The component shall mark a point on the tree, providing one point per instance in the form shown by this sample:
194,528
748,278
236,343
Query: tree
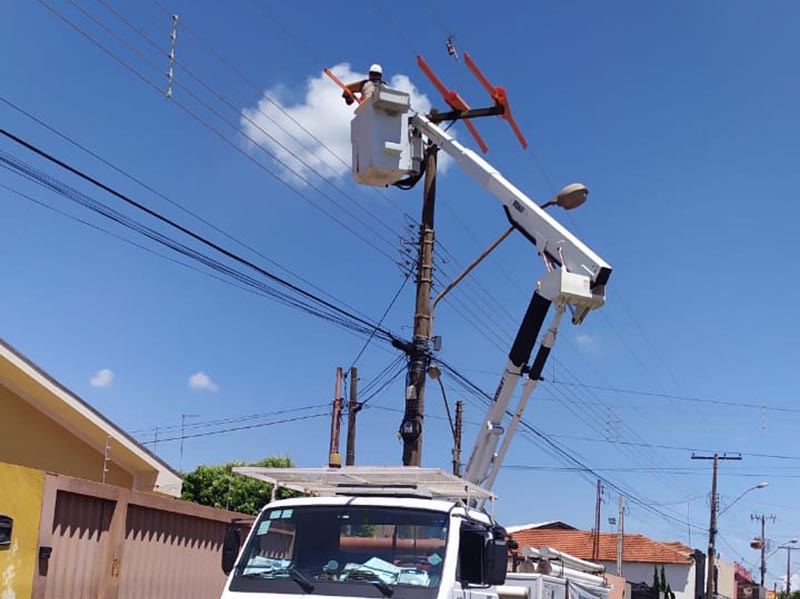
660,584
219,487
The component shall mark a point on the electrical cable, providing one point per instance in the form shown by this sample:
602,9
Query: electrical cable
345,318
172,202
217,132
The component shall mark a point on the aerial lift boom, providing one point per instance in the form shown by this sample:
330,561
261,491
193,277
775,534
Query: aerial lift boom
576,278
387,148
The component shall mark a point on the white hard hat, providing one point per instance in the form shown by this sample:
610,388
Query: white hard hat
376,68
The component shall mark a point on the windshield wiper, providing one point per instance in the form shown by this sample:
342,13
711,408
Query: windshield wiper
372,578
301,580
270,572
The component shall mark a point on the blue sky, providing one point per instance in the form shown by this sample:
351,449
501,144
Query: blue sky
680,117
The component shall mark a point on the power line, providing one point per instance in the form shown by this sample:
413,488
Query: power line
230,420
172,202
344,316
685,398
241,428
236,147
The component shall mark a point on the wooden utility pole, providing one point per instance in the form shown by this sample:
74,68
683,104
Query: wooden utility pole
712,528
411,427
334,457
457,438
596,539
352,410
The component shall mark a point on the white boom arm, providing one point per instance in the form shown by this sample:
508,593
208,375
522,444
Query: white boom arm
576,277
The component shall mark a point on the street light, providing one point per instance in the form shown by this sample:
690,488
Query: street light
760,485
712,529
571,196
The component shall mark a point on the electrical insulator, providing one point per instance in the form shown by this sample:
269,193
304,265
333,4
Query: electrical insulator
451,48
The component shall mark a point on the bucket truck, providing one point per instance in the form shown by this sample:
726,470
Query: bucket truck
411,532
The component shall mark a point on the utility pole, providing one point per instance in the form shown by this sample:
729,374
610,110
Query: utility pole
712,528
596,539
620,533
788,571
352,409
763,520
334,457
411,427
457,438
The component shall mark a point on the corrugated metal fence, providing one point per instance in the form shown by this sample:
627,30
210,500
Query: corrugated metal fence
98,541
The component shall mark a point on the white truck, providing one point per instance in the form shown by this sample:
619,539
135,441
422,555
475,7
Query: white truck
418,533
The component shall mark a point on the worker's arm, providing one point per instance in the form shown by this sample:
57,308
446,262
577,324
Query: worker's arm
352,88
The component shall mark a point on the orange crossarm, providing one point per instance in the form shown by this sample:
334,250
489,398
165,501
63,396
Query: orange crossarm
453,100
338,82
499,96
478,75
434,79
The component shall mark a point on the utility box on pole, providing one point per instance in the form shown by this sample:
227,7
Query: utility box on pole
382,151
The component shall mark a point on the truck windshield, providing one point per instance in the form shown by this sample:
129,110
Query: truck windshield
344,550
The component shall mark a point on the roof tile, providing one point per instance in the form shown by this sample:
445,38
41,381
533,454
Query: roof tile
636,547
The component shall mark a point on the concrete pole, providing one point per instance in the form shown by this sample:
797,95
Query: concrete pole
457,438
712,533
620,533
352,410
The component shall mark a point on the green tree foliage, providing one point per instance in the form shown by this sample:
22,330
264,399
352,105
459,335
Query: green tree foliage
219,487
660,583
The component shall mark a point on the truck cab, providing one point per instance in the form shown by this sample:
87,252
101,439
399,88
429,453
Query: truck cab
363,542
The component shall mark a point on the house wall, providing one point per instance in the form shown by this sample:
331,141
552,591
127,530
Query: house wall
725,578
679,576
32,439
20,498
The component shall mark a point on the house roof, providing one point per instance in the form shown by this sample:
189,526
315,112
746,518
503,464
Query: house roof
546,524
58,403
635,548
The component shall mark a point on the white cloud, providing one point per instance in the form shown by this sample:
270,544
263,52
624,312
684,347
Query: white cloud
102,378
587,342
200,381
323,113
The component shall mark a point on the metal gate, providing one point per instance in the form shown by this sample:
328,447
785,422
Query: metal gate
103,542
80,538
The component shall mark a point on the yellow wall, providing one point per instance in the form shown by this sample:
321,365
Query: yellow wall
30,438
20,498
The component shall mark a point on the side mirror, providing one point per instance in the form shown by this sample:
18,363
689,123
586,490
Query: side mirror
230,548
495,557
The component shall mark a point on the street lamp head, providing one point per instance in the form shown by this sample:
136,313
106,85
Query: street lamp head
571,196
762,484
793,541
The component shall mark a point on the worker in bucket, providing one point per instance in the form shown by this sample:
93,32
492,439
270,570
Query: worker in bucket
365,87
